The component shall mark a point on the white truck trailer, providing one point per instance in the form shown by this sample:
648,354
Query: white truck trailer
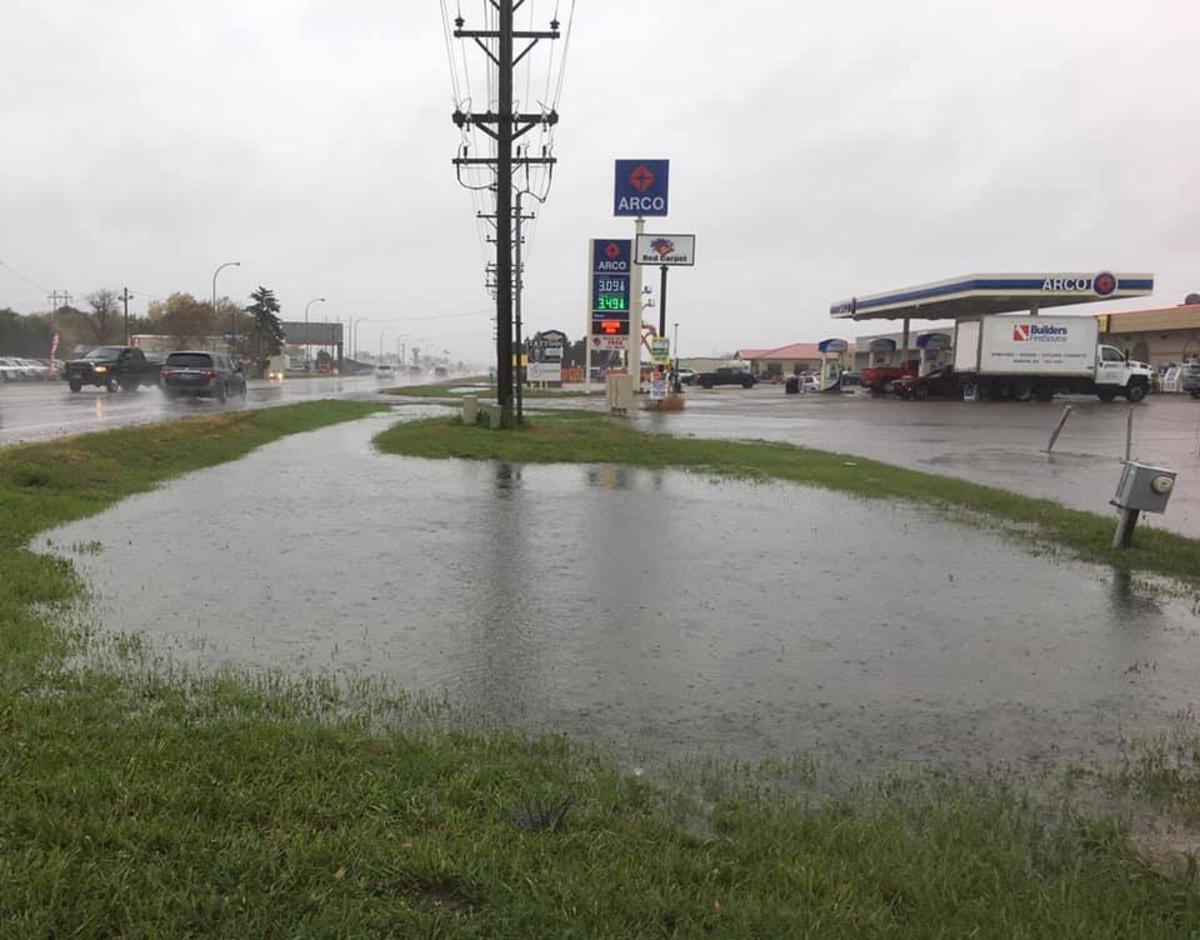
1035,357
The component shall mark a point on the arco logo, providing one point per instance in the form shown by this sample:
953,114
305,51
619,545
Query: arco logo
642,178
1104,283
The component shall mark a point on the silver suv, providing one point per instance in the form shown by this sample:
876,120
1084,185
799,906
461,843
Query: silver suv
1189,378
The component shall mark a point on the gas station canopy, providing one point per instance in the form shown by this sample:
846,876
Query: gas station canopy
975,294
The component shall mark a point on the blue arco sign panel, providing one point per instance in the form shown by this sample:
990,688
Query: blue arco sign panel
641,188
611,262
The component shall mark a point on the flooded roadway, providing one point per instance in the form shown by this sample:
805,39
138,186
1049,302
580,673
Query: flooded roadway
668,613
41,410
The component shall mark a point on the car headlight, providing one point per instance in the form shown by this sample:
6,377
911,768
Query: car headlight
100,368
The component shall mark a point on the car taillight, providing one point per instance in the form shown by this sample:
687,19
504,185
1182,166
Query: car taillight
209,374
168,371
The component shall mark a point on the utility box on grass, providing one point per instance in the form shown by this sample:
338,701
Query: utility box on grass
1144,488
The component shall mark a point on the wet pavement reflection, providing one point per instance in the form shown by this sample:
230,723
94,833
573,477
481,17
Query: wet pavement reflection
668,613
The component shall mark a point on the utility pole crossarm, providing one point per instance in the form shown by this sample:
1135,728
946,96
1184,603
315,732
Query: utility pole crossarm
492,161
496,34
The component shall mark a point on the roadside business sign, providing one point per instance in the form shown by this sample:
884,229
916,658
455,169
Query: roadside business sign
660,351
610,342
544,371
641,188
610,291
673,250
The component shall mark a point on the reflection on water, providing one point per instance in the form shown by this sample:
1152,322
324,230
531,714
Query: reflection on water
665,611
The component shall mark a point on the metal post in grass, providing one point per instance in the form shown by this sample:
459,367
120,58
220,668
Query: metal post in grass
1058,429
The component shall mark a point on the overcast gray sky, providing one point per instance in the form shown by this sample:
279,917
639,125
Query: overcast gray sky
818,150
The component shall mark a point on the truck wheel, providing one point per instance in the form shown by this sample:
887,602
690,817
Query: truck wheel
1135,393
111,386
1106,394
1042,393
74,384
747,384
1022,391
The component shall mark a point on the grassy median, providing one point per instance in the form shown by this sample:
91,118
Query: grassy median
143,800
588,437
455,391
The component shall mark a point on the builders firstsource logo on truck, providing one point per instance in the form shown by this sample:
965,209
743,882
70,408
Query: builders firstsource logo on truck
1039,333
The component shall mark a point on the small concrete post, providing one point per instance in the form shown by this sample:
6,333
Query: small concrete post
470,410
1058,429
1128,433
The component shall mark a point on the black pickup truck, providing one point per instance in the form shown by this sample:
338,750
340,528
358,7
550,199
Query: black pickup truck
724,376
113,367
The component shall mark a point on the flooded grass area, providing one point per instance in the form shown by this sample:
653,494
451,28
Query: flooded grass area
216,742
667,613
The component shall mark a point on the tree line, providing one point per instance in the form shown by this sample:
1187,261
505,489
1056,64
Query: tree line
255,330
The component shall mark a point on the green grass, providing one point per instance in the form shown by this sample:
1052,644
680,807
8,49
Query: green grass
579,436
138,799
457,389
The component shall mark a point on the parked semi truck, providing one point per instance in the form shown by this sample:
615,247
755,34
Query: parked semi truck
1031,357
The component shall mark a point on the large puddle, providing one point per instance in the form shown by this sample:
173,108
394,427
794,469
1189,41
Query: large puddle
665,612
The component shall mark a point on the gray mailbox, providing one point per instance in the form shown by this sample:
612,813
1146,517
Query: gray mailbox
1144,488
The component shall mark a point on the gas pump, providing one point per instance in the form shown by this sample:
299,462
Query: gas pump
832,352
881,353
934,350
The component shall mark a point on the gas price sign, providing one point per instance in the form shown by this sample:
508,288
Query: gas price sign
611,258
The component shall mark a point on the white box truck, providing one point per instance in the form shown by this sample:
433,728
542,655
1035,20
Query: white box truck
1035,357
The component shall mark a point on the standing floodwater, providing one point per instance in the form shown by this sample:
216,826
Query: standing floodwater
664,611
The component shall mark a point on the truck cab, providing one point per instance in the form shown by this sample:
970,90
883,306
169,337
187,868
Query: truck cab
1117,374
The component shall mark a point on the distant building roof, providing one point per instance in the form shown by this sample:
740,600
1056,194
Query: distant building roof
750,353
1183,316
792,351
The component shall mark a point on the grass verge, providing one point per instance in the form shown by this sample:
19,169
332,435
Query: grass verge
456,390
144,804
587,437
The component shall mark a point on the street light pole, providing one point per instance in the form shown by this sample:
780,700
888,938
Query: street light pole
235,264
315,300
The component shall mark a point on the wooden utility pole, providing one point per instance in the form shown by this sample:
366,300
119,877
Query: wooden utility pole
503,126
125,295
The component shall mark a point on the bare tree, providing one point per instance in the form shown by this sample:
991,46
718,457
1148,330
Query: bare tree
104,314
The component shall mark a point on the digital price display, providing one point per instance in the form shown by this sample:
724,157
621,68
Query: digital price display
610,327
612,302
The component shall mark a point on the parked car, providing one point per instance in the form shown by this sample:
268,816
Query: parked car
10,371
384,372
687,376
199,374
39,370
726,376
1189,378
113,367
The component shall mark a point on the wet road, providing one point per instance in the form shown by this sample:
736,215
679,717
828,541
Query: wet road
41,410
668,613
997,443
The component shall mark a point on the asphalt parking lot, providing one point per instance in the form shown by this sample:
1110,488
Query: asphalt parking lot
996,443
